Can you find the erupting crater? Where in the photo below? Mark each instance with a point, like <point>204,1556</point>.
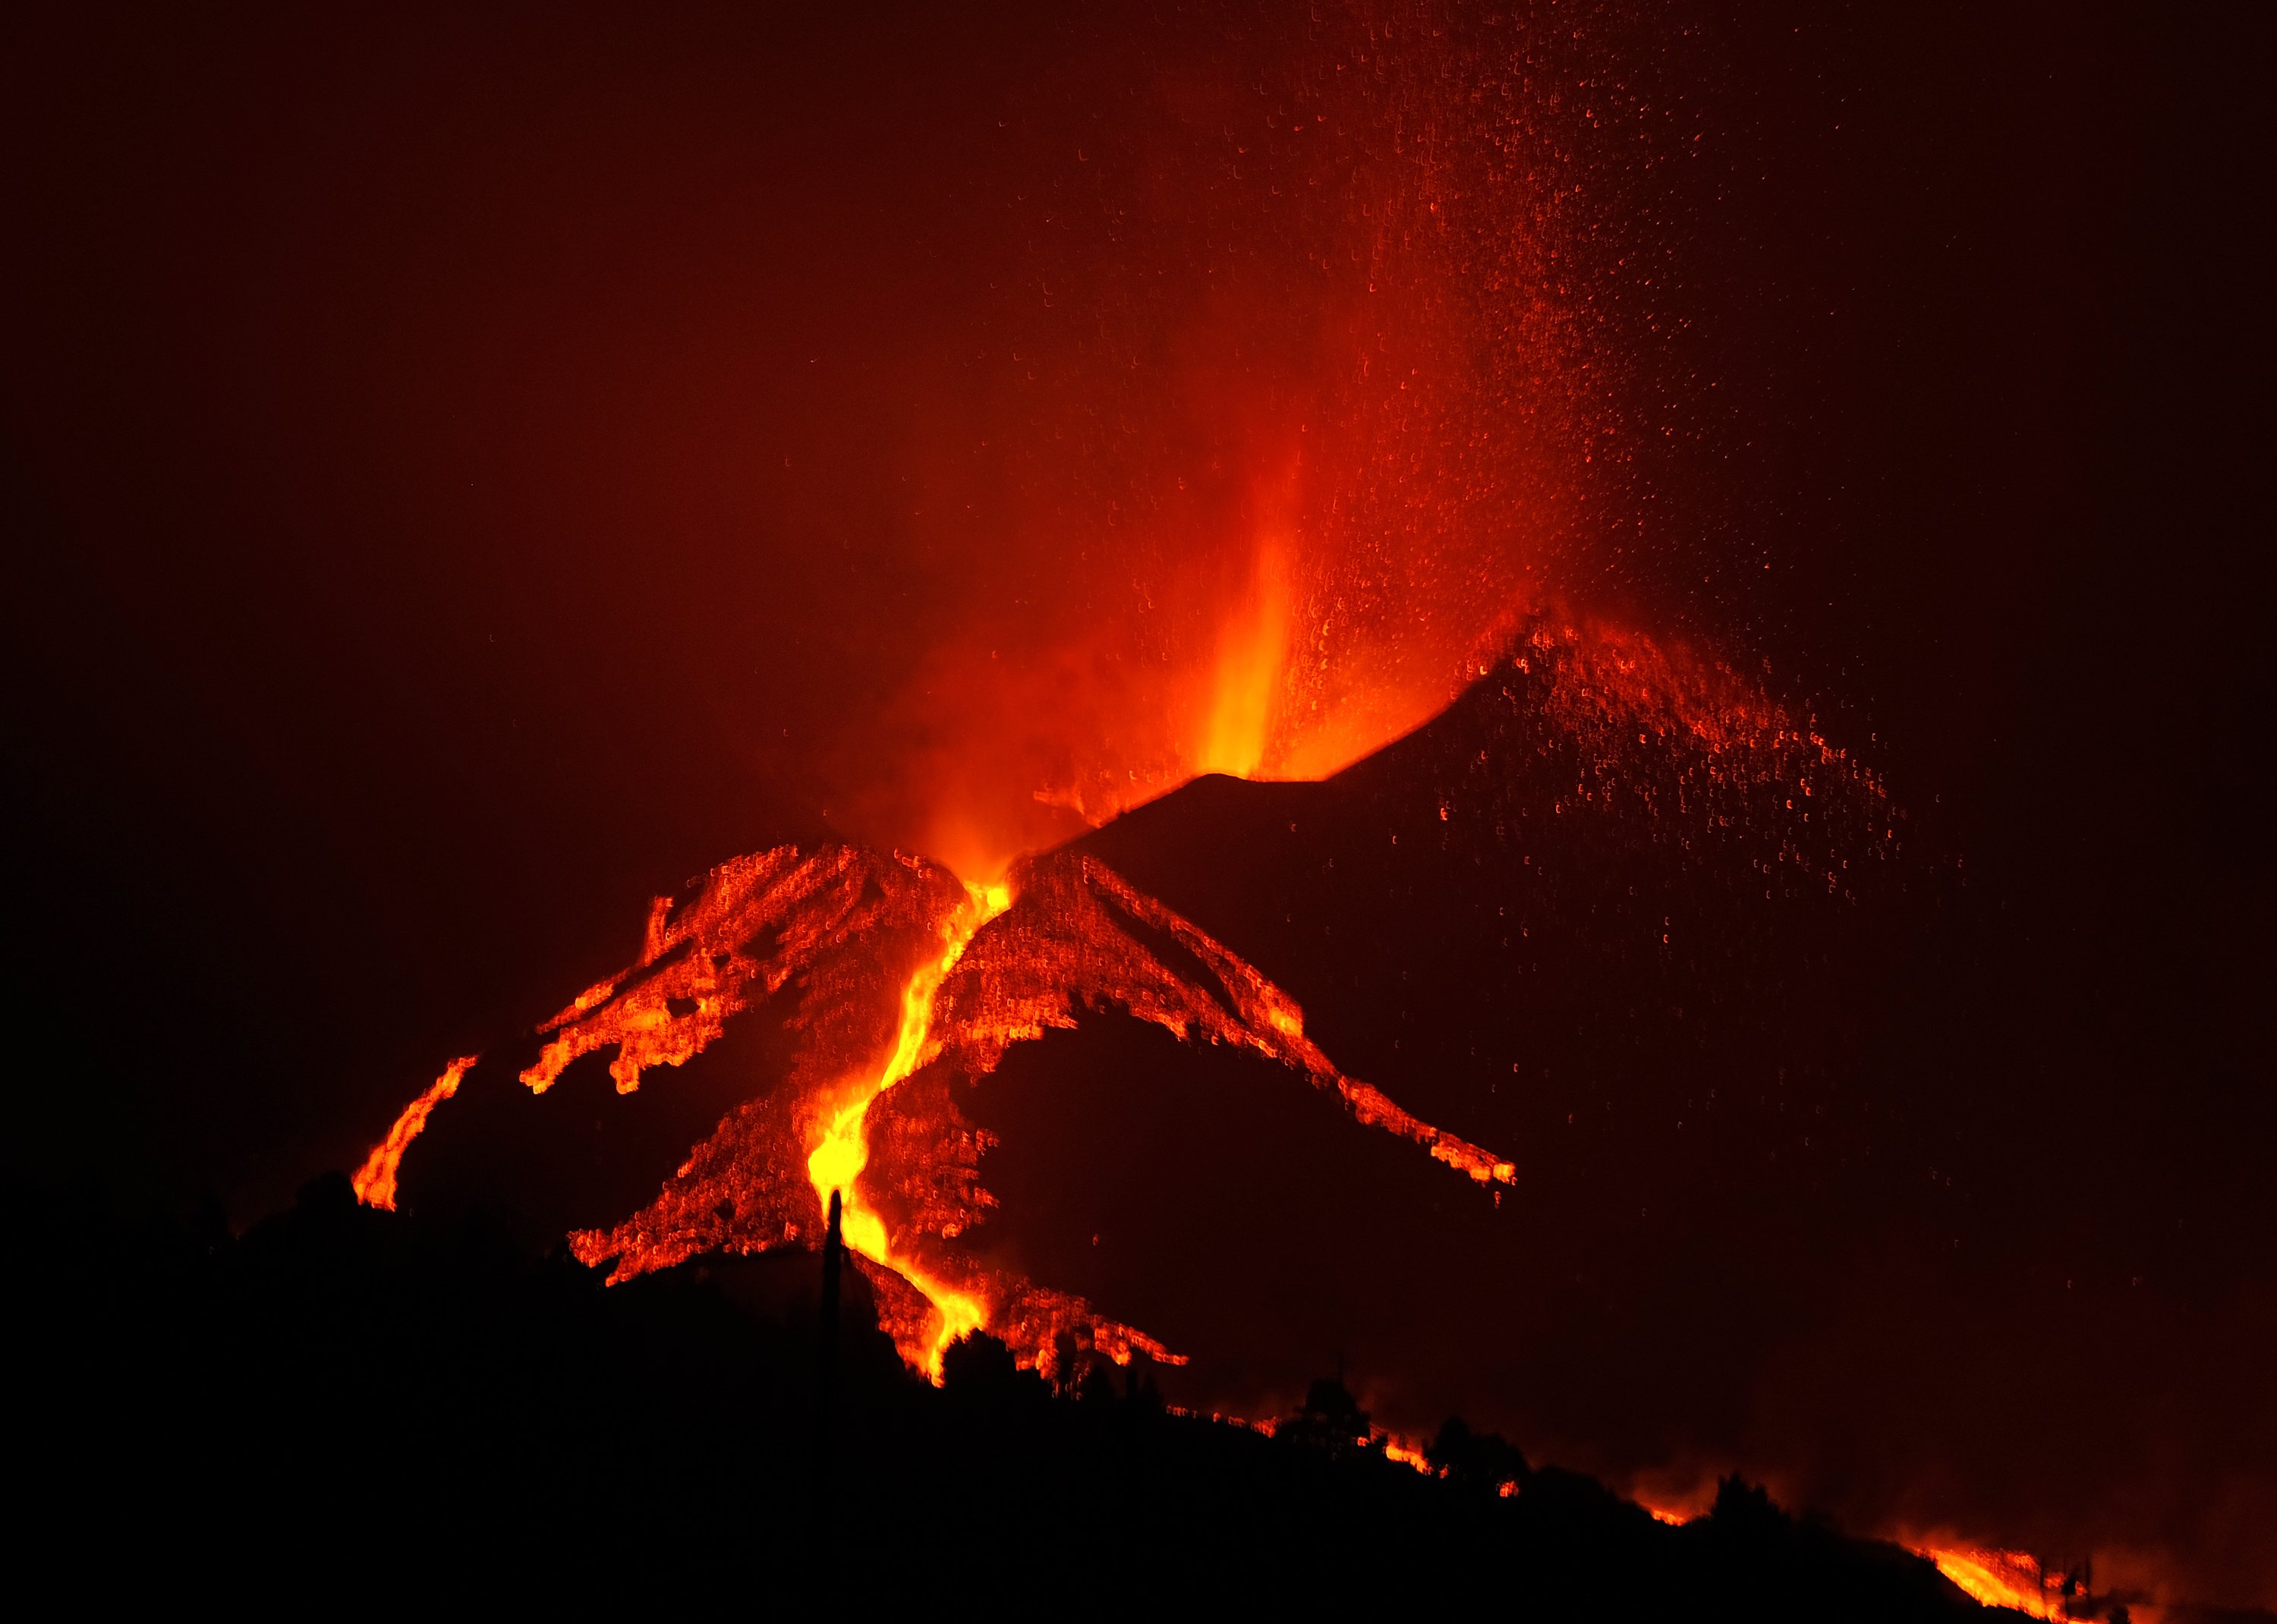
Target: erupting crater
<point>1594,796</point>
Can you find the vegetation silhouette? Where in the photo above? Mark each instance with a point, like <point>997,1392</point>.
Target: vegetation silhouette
<point>343,1400</point>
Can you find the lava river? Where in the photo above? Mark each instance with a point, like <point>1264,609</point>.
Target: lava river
<point>980,968</point>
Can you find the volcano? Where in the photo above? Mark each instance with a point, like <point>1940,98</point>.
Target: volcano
<point>1568,980</point>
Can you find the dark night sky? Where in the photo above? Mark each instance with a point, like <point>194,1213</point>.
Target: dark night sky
<point>451,473</point>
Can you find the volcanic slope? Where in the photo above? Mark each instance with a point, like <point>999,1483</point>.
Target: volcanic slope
<point>1616,914</point>
<point>1611,888</point>
<point>858,1095</point>
<point>1608,879</point>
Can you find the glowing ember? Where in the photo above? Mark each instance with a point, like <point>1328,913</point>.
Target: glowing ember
<point>375,1180</point>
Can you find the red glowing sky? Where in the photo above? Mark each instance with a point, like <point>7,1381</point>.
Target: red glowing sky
<point>469,476</point>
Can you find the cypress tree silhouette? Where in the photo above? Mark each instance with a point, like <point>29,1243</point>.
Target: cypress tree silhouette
<point>833,1249</point>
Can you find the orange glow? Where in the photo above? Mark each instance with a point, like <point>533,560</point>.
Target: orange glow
<point>1675,1496</point>
<point>1252,649</point>
<point>907,978</point>
<point>1000,964</point>
<point>2014,1579</point>
<point>1068,942</point>
<point>994,965</point>
<point>835,1164</point>
<point>1255,490</point>
<point>900,980</point>
<point>1408,1454</point>
<point>375,1180</point>
<point>837,921</point>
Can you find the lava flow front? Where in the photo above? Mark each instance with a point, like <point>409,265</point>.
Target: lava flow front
<point>836,1163</point>
<point>374,1182</point>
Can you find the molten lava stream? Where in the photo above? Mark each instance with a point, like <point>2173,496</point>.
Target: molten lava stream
<point>2016,1580</point>
<point>836,1162</point>
<point>374,1182</point>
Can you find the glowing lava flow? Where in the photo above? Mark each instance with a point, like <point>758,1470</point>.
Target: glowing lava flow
<point>375,1181</point>
<point>823,927</point>
<point>887,972</point>
<point>836,1163</point>
<point>2012,1579</point>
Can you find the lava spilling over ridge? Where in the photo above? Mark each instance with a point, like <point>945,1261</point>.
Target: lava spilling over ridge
<point>994,966</point>
<point>895,979</point>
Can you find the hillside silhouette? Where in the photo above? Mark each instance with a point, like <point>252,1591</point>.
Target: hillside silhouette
<point>346,1402</point>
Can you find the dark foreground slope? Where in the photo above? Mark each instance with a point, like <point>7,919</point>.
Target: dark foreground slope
<point>345,1407</point>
